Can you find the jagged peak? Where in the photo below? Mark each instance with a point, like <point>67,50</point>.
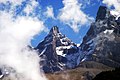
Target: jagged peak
<point>54,30</point>
<point>103,12</point>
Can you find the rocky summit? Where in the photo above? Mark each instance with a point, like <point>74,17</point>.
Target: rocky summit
<point>58,52</point>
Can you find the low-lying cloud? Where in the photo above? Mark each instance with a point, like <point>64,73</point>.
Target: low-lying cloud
<point>15,36</point>
<point>49,12</point>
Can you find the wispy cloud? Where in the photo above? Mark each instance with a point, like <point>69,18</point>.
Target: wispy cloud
<point>30,7</point>
<point>49,12</point>
<point>14,2</point>
<point>72,15</point>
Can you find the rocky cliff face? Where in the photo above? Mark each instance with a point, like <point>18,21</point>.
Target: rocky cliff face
<point>102,41</point>
<point>58,52</point>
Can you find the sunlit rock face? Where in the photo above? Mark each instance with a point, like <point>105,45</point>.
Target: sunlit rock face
<point>58,52</point>
<point>102,41</point>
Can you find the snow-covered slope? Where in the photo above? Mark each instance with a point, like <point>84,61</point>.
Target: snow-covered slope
<point>58,52</point>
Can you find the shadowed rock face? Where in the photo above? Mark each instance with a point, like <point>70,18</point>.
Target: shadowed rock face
<point>102,13</point>
<point>0,72</point>
<point>47,50</point>
<point>102,41</point>
<point>108,75</point>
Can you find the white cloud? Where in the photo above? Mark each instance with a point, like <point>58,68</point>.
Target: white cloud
<point>115,3</point>
<point>72,15</point>
<point>13,5</point>
<point>30,7</point>
<point>15,35</point>
<point>14,2</point>
<point>49,12</point>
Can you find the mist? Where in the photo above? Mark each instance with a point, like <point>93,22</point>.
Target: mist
<point>16,57</point>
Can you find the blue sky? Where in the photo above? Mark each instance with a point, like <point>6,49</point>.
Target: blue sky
<point>65,29</point>
<point>73,17</point>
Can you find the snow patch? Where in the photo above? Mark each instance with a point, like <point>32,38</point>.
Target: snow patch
<point>43,51</point>
<point>78,45</point>
<point>108,31</point>
<point>90,41</point>
<point>59,52</point>
<point>1,76</point>
<point>62,41</point>
<point>115,13</point>
<point>61,64</point>
<point>83,59</point>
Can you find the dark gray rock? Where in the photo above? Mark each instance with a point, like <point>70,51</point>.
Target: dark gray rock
<point>102,13</point>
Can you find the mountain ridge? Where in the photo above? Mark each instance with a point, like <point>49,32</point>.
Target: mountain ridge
<point>102,34</point>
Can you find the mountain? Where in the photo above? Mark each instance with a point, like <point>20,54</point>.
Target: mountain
<point>100,44</point>
<point>100,50</point>
<point>58,52</point>
<point>102,41</point>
